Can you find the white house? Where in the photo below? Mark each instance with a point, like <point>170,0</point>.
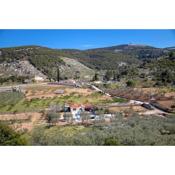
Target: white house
<point>76,111</point>
<point>38,78</point>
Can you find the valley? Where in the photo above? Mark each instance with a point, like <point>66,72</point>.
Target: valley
<point>51,94</point>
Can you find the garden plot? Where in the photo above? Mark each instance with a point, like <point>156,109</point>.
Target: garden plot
<point>21,121</point>
<point>50,91</point>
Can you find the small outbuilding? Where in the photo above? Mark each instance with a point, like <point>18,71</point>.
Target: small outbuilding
<point>38,79</point>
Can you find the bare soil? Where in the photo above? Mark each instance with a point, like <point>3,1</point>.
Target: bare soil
<point>25,120</point>
<point>167,103</point>
<point>126,108</point>
<point>49,91</point>
<point>143,94</point>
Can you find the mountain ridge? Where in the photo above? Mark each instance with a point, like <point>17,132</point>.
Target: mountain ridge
<point>44,58</point>
<point>117,45</point>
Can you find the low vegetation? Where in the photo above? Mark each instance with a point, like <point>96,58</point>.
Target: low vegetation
<point>13,102</point>
<point>163,71</point>
<point>10,137</point>
<point>125,72</point>
<point>12,80</point>
<point>10,98</point>
<point>131,131</point>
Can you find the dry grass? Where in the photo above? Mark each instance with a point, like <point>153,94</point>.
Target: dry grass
<point>49,91</point>
<point>21,121</point>
<point>167,104</point>
<point>126,108</point>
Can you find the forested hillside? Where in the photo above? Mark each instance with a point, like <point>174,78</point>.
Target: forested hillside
<point>42,58</point>
<point>111,57</point>
<point>124,61</point>
<point>46,60</point>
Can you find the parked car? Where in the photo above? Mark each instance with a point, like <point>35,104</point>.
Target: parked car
<point>147,106</point>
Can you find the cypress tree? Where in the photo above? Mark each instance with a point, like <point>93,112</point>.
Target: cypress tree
<point>58,74</point>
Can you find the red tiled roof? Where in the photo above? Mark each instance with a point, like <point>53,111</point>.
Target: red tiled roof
<point>75,105</point>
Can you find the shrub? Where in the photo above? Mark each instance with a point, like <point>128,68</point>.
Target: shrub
<point>130,83</point>
<point>134,130</point>
<point>111,141</point>
<point>52,117</point>
<point>9,137</point>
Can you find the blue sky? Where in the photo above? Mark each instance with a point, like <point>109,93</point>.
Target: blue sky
<point>85,39</point>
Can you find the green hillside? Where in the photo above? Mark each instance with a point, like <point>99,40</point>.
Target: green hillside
<point>111,57</point>
<point>44,59</point>
<point>126,61</point>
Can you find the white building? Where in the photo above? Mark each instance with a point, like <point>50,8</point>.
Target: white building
<point>38,78</point>
<point>76,111</point>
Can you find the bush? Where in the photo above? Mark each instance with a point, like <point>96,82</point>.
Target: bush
<point>9,137</point>
<point>111,141</point>
<point>120,100</point>
<point>10,98</point>
<point>130,83</point>
<point>52,117</point>
<point>134,130</point>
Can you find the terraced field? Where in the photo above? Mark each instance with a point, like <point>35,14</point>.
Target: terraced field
<point>39,98</point>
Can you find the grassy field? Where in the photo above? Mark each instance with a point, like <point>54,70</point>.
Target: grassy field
<point>13,102</point>
<point>39,98</point>
<point>10,98</point>
<point>120,100</point>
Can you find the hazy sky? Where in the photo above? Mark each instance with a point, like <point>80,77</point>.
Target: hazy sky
<point>85,39</point>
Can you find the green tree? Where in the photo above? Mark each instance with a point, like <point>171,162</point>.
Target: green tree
<point>166,77</point>
<point>110,141</point>
<point>171,55</point>
<point>95,78</point>
<point>52,117</point>
<point>130,83</point>
<point>9,137</point>
<point>77,75</point>
<point>108,75</point>
<point>132,72</point>
<point>115,75</point>
<point>58,74</point>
